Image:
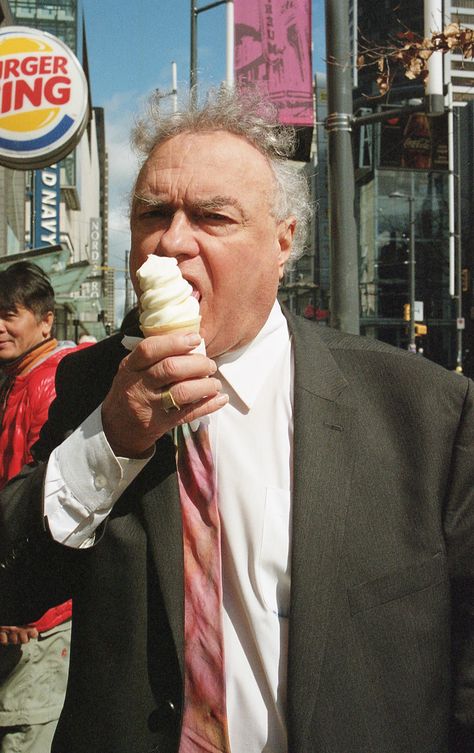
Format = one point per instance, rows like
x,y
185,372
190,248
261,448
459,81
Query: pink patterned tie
x,y
204,726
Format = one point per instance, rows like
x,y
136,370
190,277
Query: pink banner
x,y
273,50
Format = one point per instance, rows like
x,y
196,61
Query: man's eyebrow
x,y
151,201
200,205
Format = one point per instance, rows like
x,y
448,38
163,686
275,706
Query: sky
x,y
131,46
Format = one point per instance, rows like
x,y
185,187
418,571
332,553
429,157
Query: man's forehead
x,y
206,153
230,182
7,305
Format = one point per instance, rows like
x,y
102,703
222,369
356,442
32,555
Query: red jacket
x,y
25,413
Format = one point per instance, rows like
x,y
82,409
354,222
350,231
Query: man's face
x,y
20,330
207,199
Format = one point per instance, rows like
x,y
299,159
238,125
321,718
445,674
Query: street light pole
x,y
193,54
458,296
411,266
195,11
411,274
344,302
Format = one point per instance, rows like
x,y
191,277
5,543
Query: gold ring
x,y
168,402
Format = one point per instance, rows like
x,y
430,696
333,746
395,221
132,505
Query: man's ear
x,y
286,230
47,323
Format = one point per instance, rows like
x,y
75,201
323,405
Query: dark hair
x,y
25,284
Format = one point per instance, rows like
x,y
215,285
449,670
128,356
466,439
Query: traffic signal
x,y
406,312
420,330
465,280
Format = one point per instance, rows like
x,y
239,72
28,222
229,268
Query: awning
x,y
65,278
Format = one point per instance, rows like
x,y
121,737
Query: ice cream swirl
x,y
166,298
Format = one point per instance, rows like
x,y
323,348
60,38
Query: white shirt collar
x,y
246,369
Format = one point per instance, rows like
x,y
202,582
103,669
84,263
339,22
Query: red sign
x,y
273,50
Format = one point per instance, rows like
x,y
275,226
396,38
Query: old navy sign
x,y
47,191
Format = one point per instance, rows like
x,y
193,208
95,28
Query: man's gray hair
x,y
245,113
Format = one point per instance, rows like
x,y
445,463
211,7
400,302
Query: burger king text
x,y
38,90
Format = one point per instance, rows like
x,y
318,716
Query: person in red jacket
x,y
33,658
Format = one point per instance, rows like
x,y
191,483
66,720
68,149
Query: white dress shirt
x,y
252,440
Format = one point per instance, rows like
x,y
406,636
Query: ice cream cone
x,y
192,325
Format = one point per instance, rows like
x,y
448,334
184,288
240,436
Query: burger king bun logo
x,y
43,98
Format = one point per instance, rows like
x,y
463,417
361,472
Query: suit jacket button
x,y
162,716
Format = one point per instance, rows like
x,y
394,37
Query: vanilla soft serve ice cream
x,y
166,302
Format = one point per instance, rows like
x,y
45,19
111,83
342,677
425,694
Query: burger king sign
x,y
43,98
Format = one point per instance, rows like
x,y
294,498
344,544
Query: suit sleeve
x,y
33,568
459,529
36,572
31,565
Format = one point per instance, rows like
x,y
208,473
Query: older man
x,y
345,488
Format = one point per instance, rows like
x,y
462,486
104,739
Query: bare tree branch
x,y
409,53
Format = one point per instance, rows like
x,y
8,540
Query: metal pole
x,y
343,233
193,55
411,274
174,86
127,283
230,44
32,210
458,247
195,10
451,206
411,264
433,22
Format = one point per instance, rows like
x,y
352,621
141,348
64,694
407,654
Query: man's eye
x,y
213,217
154,212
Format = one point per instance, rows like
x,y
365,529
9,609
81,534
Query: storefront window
x,y
385,227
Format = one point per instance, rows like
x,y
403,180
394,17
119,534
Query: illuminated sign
x,y
43,98
414,141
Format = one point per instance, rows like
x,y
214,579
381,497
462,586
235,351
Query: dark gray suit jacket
x,y
381,644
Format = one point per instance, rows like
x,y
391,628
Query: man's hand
x,y
12,635
133,416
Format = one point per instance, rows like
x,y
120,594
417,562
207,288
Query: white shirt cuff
x,y
83,481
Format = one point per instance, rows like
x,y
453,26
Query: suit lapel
x,y
160,505
323,464
162,520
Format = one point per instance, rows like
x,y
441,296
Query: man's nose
x,y
179,237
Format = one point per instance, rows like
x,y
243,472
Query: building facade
x,y
68,237
460,71
413,192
